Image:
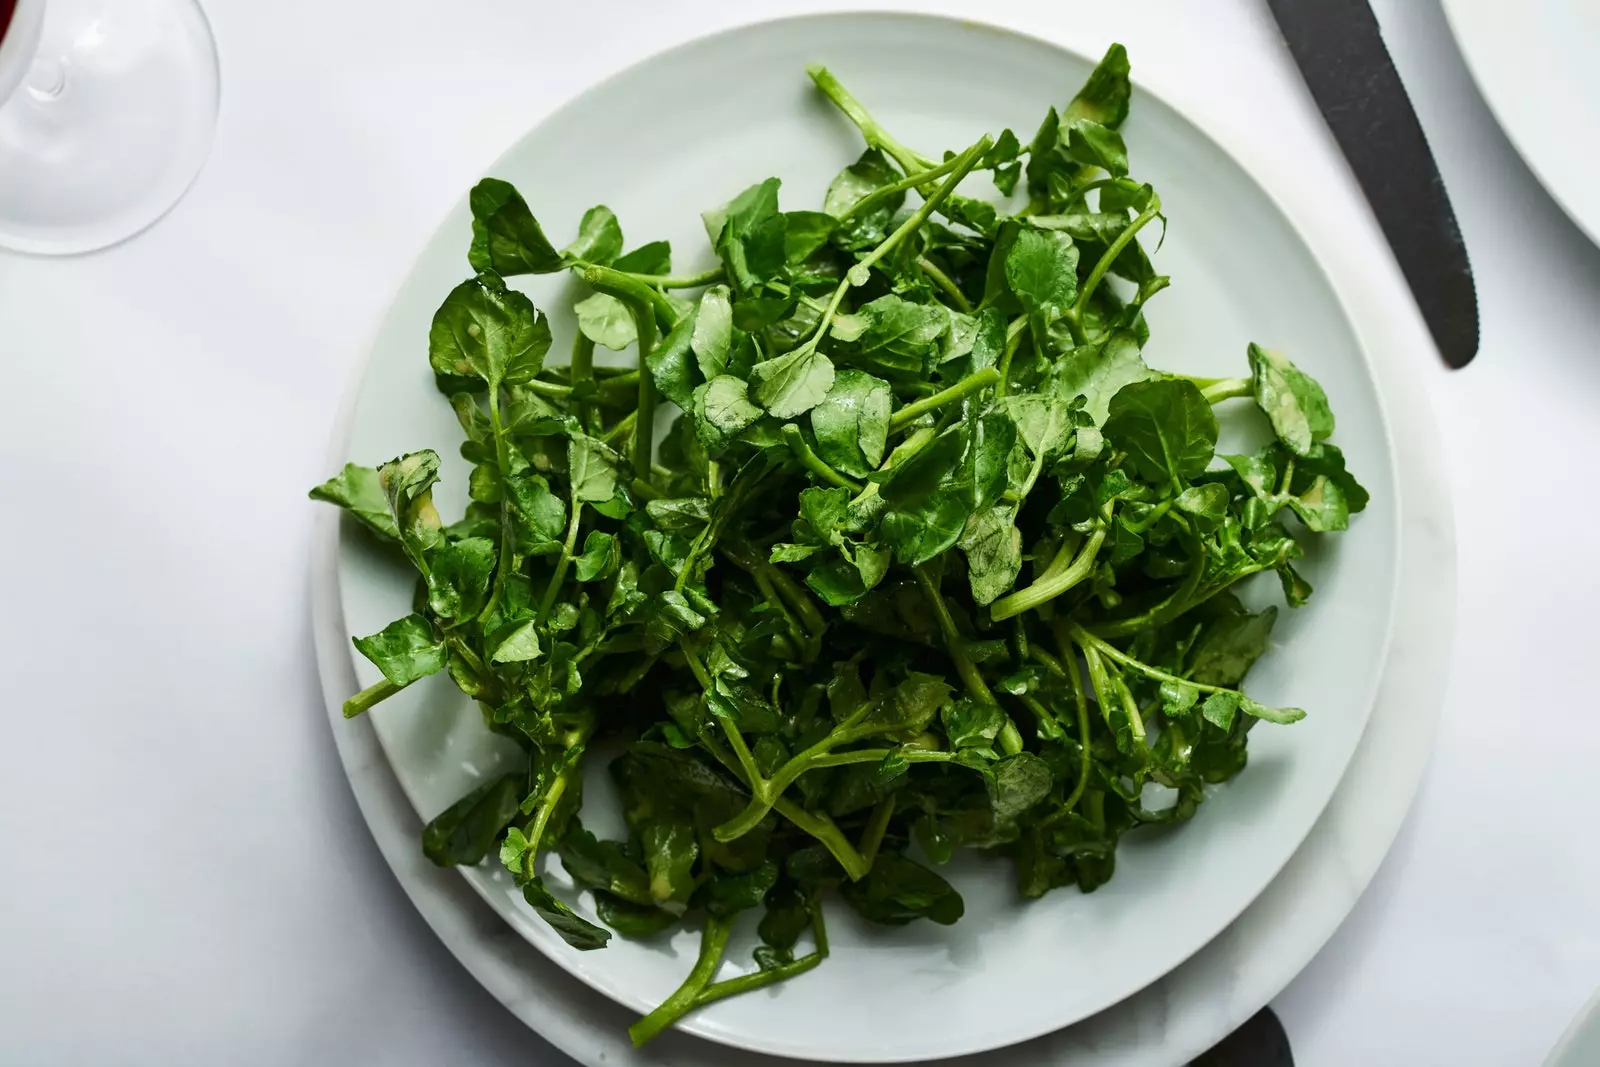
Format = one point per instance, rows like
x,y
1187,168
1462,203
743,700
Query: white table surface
x,y
184,875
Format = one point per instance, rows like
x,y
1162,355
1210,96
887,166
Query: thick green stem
x,y
968,385
1088,641
1216,390
956,646
877,826
746,558
713,942
560,574
502,453
1122,241
680,281
644,422
945,283
1055,581
876,136
918,180
813,462
629,289
761,801
370,696
581,369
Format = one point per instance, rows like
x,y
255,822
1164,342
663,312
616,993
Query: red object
x,y
6,8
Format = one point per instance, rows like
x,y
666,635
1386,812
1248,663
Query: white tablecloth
x,y
184,876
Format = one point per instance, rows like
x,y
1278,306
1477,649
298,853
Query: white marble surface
x,y
187,877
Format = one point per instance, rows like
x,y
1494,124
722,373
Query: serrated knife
x,y
1340,52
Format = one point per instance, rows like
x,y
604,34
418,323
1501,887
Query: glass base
x,y
109,127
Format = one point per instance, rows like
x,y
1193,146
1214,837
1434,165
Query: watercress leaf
x,y
592,469
929,498
599,558
1293,401
729,894
538,517
517,642
405,650
1042,270
752,314
1207,503
970,723
713,331
1177,698
1220,708
487,330
1016,783
723,405
670,618
1104,97
1044,160
894,333
851,424
1098,372
670,850
1229,645
837,581
672,363
632,920
652,258
408,483
606,321
599,237
805,232
905,711
997,294
898,890
458,578
575,930
1166,427
993,545
359,491
465,832
1296,590
604,866
1094,145
1327,461
1321,506
506,238
792,383
1044,423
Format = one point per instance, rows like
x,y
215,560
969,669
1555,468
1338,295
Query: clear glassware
x,y
107,112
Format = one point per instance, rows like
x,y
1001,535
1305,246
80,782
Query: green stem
x,y
1054,581
914,411
680,281
713,942
629,289
644,422
1087,640
813,462
744,983
644,489
784,777
877,826
977,688
875,135
1220,389
858,274
945,283
1288,476
745,558
369,697
1013,342
1122,241
877,755
553,390
622,429
580,369
502,454
548,601
1081,701
917,180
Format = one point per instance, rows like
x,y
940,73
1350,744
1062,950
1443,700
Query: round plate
x,y
1008,971
1534,64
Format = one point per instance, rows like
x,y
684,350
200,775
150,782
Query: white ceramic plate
x,y
1580,1045
1535,64
1008,971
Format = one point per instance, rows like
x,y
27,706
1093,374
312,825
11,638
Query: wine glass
x,y
107,112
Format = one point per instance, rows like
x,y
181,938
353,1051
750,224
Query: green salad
x,y
930,558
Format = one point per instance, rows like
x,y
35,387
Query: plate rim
x,y
326,613
1467,30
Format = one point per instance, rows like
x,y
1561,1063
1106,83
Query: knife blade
x,y
1340,52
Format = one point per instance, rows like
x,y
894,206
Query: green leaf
x,y
1094,145
360,492
1229,645
724,404
1166,426
1104,97
652,258
1207,503
538,517
575,930
851,424
520,644
894,333
600,557
604,866
405,650
898,890
713,332
905,711
670,851
485,330
793,383
1220,708
465,832
972,724
993,545
1293,401
1042,270
599,237
458,583
1016,784
408,483
592,469
1098,372
1281,716
606,321
729,894
672,363
506,238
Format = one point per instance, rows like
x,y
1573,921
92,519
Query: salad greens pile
x,y
928,559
